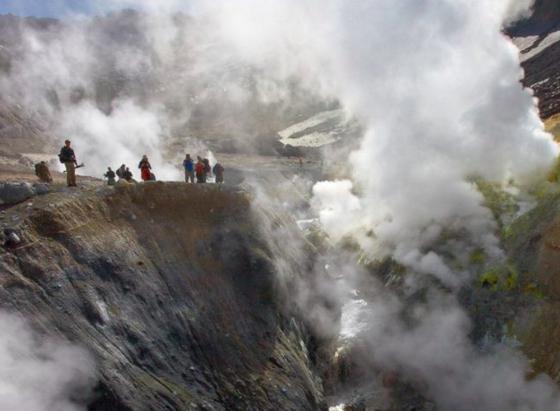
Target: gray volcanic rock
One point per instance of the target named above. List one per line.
(173, 290)
(41, 189)
(13, 193)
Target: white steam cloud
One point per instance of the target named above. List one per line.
(127, 84)
(60, 70)
(38, 374)
(437, 86)
(517, 10)
(436, 353)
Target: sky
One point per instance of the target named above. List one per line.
(61, 8)
(49, 8)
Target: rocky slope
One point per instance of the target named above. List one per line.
(172, 289)
(21, 133)
(534, 244)
(538, 39)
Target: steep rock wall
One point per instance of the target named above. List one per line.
(171, 288)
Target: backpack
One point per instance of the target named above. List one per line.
(218, 169)
(66, 155)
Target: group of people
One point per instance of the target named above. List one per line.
(124, 173)
(201, 170)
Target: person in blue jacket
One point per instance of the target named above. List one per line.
(188, 165)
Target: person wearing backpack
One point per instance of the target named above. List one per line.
(68, 158)
(120, 172)
(188, 165)
(207, 168)
(127, 176)
(42, 171)
(219, 173)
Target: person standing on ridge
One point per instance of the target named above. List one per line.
(188, 165)
(145, 168)
(207, 169)
(120, 172)
(200, 173)
(127, 175)
(219, 173)
(110, 174)
(68, 158)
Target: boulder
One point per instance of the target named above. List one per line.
(13, 193)
(41, 189)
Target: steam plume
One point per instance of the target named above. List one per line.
(38, 374)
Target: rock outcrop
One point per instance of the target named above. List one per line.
(538, 39)
(14, 193)
(172, 289)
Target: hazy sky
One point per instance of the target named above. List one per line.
(47, 8)
(61, 8)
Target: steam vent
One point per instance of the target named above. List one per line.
(291, 205)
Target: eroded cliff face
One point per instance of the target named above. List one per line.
(172, 289)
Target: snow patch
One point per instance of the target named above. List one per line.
(548, 41)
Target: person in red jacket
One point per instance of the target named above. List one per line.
(200, 171)
(145, 168)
